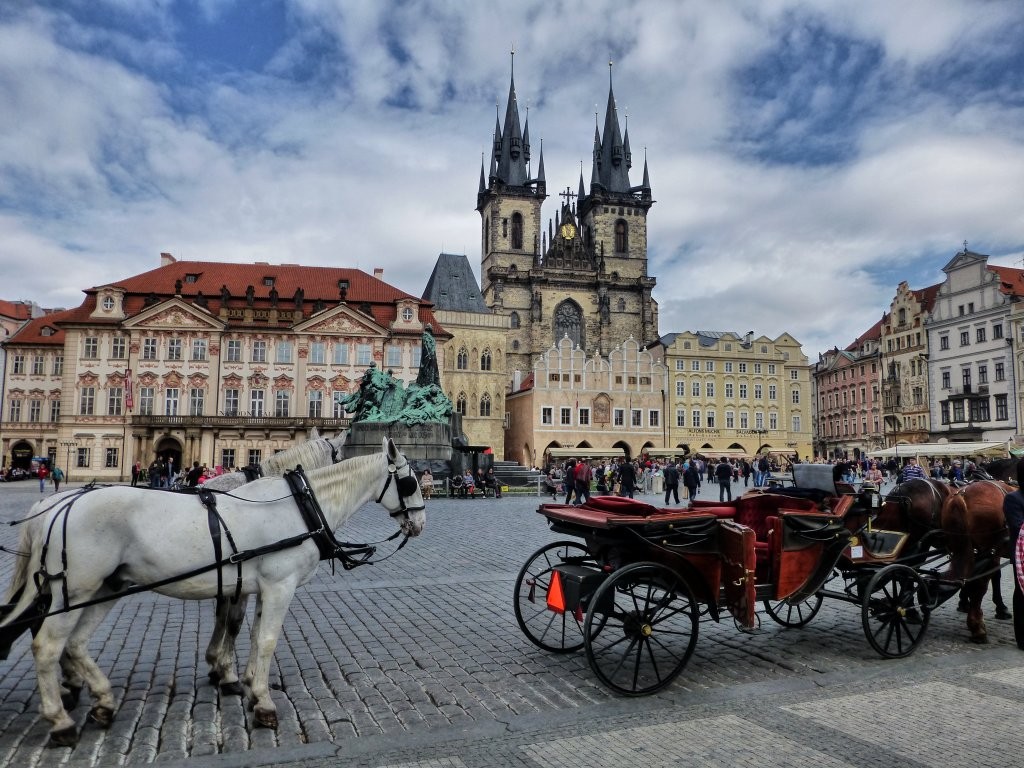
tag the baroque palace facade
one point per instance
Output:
(202, 361)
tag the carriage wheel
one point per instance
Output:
(555, 632)
(641, 628)
(794, 615)
(895, 611)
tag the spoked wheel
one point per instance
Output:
(793, 615)
(641, 628)
(555, 632)
(895, 611)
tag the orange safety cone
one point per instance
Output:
(556, 598)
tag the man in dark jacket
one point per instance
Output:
(1013, 510)
(192, 478)
(691, 479)
(627, 479)
(724, 474)
(671, 477)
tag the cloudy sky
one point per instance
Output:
(805, 156)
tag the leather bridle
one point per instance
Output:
(407, 487)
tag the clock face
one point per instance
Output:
(568, 231)
(108, 303)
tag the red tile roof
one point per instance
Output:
(1011, 280)
(318, 284)
(874, 333)
(926, 296)
(31, 333)
(16, 310)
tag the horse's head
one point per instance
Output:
(337, 446)
(401, 494)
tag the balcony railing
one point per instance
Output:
(242, 420)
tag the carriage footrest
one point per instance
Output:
(571, 585)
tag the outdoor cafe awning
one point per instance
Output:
(992, 449)
(585, 453)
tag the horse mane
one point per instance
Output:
(311, 453)
(344, 486)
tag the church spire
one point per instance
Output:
(612, 167)
(513, 155)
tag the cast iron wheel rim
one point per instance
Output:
(793, 616)
(895, 612)
(554, 632)
(641, 629)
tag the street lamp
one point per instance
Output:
(69, 444)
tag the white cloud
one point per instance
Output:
(115, 146)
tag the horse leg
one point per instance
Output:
(102, 712)
(221, 652)
(274, 605)
(975, 591)
(253, 634)
(47, 646)
(1002, 612)
(72, 683)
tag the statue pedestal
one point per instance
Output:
(425, 445)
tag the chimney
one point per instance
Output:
(166, 258)
(378, 272)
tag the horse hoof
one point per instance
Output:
(1003, 614)
(102, 716)
(69, 698)
(65, 737)
(214, 676)
(961, 609)
(266, 718)
(232, 689)
(979, 639)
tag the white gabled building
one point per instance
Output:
(972, 382)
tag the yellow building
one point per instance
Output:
(733, 395)
(472, 361)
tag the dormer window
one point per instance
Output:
(268, 282)
(46, 332)
(192, 278)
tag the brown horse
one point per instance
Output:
(976, 536)
(915, 507)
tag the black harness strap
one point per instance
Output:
(217, 524)
(350, 555)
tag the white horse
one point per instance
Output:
(120, 535)
(220, 653)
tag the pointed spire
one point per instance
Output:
(614, 168)
(580, 195)
(540, 166)
(646, 187)
(483, 186)
(625, 144)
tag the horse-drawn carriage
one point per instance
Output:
(633, 593)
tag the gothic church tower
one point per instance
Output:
(585, 277)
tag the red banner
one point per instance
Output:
(129, 401)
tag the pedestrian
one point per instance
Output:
(43, 474)
(569, 480)
(1013, 511)
(723, 472)
(671, 476)
(154, 473)
(57, 476)
(136, 471)
(746, 471)
(627, 479)
(427, 483)
(912, 470)
(193, 475)
(582, 476)
(691, 479)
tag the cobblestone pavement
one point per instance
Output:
(419, 662)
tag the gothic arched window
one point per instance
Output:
(569, 322)
(621, 305)
(485, 405)
(517, 230)
(462, 362)
(514, 318)
(485, 360)
(621, 237)
(460, 404)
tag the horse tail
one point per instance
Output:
(24, 605)
(954, 520)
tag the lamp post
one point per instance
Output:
(69, 444)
